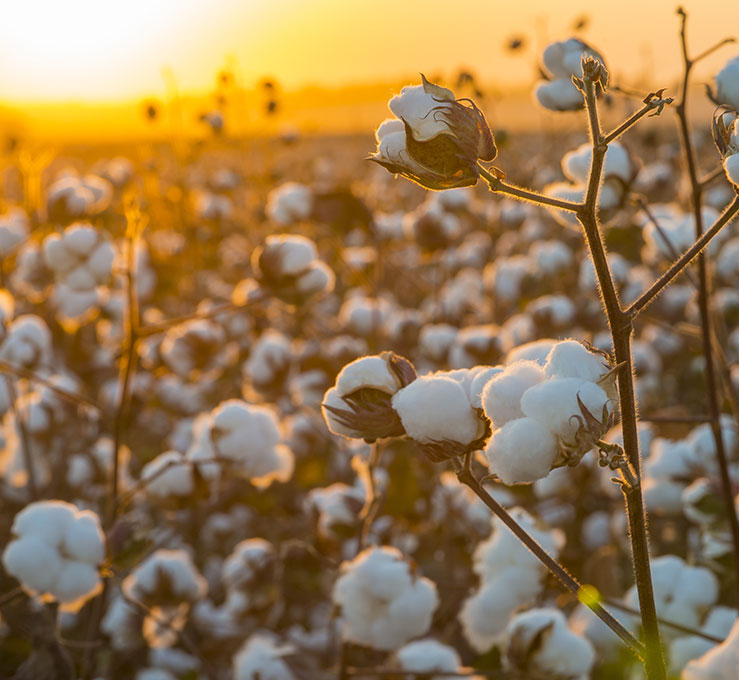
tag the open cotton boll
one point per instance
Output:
(370, 371)
(521, 451)
(718, 623)
(383, 605)
(481, 377)
(537, 350)
(559, 95)
(727, 84)
(571, 359)
(434, 408)
(553, 404)
(415, 105)
(618, 163)
(429, 656)
(56, 552)
(565, 192)
(501, 398)
(168, 475)
(165, 571)
(720, 663)
(539, 640)
(262, 658)
(731, 168)
(289, 202)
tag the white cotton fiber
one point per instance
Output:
(501, 397)
(521, 451)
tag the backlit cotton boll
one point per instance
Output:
(56, 552)
(720, 663)
(27, 343)
(540, 644)
(290, 202)
(262, 658)
(562, 60)
(429, 658)
(682, 593)
(436, 413)
(726, 136)
(288, 266)
(727, 84)
(359, 404)
(383, 603)
(14, 229)
(436, 140)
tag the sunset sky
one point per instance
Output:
(82, 67)
(102, 50)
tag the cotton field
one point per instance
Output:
(449, 402)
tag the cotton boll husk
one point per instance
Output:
(571, 359)
(33, 562)
(371, 371)
(501, 397)
(521, 451)
(437, 408)
(554, 403)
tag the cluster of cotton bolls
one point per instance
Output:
(82, 264)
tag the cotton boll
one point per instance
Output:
(731, 168)
(719, 663)
(537, 350)
(34, 561)
(501, 397)
(485, 615)
(481, 378)
(383, 604)
(262, 658)
(428, 656)
(521, 451)
(727, 84)
(571, 359)
(435, 408)
(288, 203)
(554, 403)
(77, 582)
(83, 538)
(539, 640)
(413, 104)
(371, 371)
(559, 95)
(168, 475)
(47, 521)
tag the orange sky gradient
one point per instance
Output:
(109, 56)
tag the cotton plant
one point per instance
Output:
(383, 604)
(726, 136)
(56, 553)
(72, 196)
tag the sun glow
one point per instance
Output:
(84, 48)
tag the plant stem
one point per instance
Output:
(652, 101)
(621, 330)
(704, 296)
(466, 477)
(499, 186)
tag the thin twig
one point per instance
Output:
(466, 477)
(499, 186)
(652, 101)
